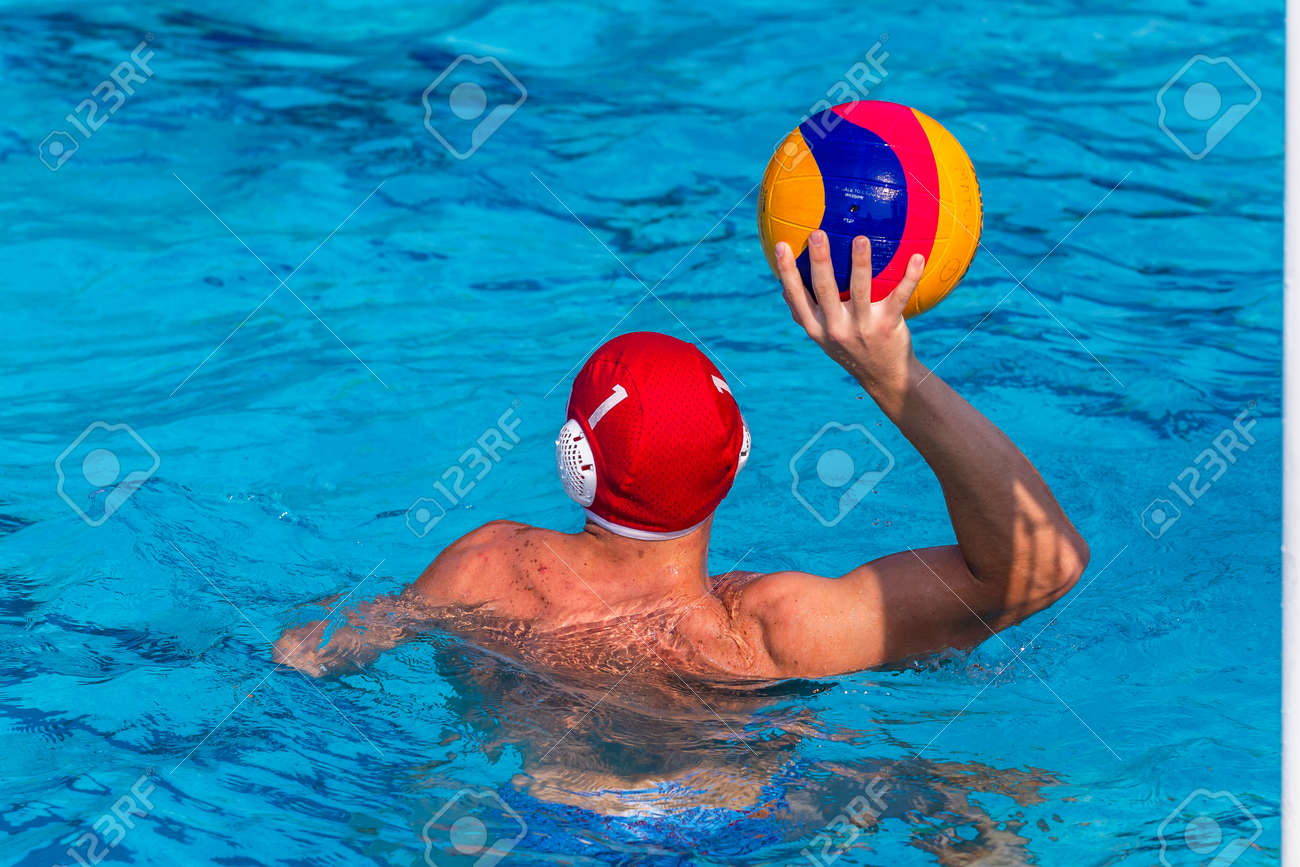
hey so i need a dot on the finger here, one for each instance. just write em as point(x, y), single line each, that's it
point(860, 276)
point(823, 274)
point(795, 293)
point(903, 291)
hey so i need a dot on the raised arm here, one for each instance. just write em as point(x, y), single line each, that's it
point(1016, 551)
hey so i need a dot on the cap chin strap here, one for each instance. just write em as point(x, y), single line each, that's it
point(577, 465)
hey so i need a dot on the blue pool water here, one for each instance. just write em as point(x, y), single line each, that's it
point(294, 428)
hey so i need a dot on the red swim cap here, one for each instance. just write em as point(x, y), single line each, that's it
point(654, 438)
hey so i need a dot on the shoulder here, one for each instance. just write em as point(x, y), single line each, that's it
point(772, 599)
point(467, 569)
point(491, 537)
point(800, 618)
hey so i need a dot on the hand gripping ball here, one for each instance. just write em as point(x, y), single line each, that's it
point(885, 171)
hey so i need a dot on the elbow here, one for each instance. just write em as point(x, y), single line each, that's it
point(1041, 576)
point(1068, 560)
point(1047, 576)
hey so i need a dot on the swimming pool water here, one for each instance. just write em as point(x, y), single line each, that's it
point(428, 299)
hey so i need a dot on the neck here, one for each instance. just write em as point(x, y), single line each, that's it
point(682, 562)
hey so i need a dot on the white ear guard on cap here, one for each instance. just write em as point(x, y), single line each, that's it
point(577, 463)
point(744, 446)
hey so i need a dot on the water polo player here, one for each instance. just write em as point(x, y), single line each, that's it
point(651, 445)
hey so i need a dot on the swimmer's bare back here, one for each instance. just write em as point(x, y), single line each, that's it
point(595, 600)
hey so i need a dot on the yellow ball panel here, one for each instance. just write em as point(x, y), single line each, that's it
point(792, 187)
